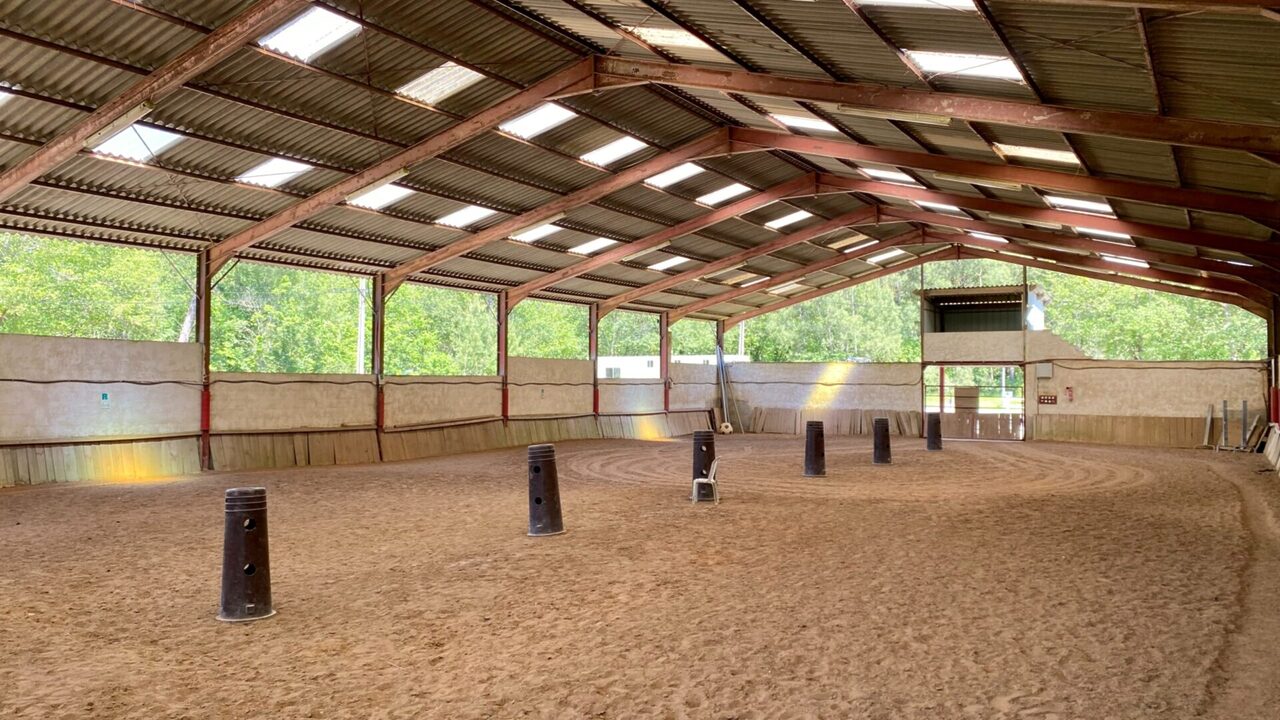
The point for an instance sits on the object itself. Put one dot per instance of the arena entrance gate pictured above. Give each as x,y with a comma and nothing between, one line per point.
978,402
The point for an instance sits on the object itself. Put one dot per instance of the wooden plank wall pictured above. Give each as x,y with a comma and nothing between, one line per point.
128,461
791,421
1178,432
245,451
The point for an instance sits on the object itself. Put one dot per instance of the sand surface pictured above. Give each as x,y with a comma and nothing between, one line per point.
993,580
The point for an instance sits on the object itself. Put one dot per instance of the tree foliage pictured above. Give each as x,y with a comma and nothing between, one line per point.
544,329
628,333
438,331
693,337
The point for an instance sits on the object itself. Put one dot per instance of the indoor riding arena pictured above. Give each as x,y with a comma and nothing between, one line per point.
679,359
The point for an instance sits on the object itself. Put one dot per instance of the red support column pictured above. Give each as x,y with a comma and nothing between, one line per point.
664,360
502,354
379,337
204,287
593,349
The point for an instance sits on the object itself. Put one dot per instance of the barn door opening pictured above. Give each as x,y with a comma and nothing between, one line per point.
978,402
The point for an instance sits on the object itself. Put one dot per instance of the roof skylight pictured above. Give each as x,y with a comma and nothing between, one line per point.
616,150
988,237
440,83
668,37
803,122
715,197
784,289
966,5
273,173
1065,157
894,176
591,246
674,175
1125,261
309,34
1097,207
138,143
886,255
940,207
538,120
466,216
757,281
5,96
980,66
790,219
537,233
861,246
380,197
668,263
1106,234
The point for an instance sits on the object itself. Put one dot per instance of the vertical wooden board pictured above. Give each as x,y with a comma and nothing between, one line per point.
7,478
320,449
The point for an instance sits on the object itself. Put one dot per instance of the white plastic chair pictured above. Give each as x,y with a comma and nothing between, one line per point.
710,480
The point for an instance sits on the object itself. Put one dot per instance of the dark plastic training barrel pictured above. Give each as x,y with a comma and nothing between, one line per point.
815,449
704,452
544,492
933,431
880,430
246,567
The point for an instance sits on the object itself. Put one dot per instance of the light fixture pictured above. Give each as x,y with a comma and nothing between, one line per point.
1065,157
988,237
861,246
886,255
790,219
893,176
138,143
668,263
984,182
803,122
125,120
667,37
380,196
538,120
309,34
273,173
440,83
674,175
715,197
1046,224
616,150
995,67
1096,207
536,233
899,115
591,246
466,216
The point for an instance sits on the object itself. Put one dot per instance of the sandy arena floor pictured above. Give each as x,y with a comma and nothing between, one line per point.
994,580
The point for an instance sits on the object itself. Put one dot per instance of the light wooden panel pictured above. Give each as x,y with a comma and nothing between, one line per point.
127,461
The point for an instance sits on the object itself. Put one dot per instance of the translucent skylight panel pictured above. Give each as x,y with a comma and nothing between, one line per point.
440,83
784,289
980,66
674,175
466,216
1065,157
380,197
310,34
1126,261
1105,234
965,5
5,96
861,246
669,38
591,246
803,122
757,281
715,197
886,255
535,234
988,237
137,143
537,121
790,219
894,176
940,207
274,172
1096,207
668,263
614,151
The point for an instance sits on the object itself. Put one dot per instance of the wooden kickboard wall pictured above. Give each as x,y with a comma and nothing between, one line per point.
791,421
1177,432
121,461
245,451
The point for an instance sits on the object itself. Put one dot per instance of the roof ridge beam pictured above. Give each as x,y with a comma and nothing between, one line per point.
617,72
789,188
712,143
143,94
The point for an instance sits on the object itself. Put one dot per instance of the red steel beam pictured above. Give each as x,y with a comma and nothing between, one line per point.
616,72
1198,238
1216,285
857,217
1119,279
840,258
212,49
1260,277
804,184
416,153
712,143
751,139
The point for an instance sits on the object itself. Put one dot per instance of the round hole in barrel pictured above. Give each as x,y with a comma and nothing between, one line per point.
703,448
249,524
250,569
537,468
537,501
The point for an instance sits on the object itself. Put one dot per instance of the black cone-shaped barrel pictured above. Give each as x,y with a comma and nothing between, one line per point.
815,449
246,567
544,492
880,437
933,431
704,452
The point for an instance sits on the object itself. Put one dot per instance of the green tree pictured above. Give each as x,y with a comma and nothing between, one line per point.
628,333
439,331
544,329
693,337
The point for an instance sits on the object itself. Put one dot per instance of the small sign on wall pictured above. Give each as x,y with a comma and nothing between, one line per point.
105,400
1048,399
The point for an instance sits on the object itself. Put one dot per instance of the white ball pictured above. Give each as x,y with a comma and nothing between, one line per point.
726,429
